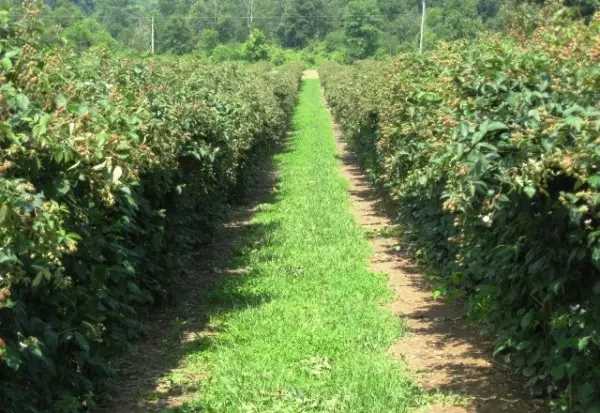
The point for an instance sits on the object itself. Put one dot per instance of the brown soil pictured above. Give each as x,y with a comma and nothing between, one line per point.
310,74
444,353
143,384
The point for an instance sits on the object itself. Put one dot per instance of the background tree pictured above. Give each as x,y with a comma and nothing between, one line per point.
89,33
488,9
362,22
177,37
225,52
256,48
87,6
120,17
208,40
64,14
458,19
303,21
357,26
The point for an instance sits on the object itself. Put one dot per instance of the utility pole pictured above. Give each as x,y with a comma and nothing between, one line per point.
152,34
422,28
251,15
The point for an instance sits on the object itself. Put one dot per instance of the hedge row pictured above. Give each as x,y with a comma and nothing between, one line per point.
105,166
491,150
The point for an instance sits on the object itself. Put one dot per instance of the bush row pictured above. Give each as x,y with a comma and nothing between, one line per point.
105,166
491,151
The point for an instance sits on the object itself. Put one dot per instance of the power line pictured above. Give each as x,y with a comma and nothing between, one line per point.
329,16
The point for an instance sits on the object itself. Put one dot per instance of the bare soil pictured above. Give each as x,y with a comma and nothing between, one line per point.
441,349
310,74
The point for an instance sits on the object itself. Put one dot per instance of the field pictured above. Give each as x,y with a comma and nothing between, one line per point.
411,233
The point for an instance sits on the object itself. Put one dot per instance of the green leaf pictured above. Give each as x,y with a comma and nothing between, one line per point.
37,280
558,372
528,320
583,343
22,102
4,257
74,166
12,53
488,146
74,236
528,371
530,191
12,359
82,341
90,327
3,212
50,338
36,351
60,100
594,181
117,174
63,187
7,64
22,243
99,166
495,126
556,286
534,113
464,129
134,288
503,198
575,122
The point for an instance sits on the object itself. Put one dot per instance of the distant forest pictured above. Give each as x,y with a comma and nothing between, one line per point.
354,29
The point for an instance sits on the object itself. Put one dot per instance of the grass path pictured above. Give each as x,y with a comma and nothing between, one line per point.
307,332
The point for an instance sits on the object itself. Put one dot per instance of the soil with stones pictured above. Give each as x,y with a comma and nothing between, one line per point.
143,384
443,352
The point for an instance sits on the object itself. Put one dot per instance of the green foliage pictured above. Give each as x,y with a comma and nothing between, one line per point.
256,48
456,19
335,41
209,40
302,22
120,17
224,52
110,171
64,14
176,37
293,23
491,150
278,57
89,33
362,28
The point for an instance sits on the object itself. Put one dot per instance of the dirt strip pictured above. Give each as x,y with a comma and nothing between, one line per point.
310,74
444,353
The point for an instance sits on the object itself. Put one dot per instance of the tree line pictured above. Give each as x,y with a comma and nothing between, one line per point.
348,29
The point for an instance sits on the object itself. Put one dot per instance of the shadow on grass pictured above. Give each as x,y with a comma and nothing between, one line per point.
211,285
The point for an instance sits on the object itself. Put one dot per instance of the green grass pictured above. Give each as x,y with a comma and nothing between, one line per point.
304,330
